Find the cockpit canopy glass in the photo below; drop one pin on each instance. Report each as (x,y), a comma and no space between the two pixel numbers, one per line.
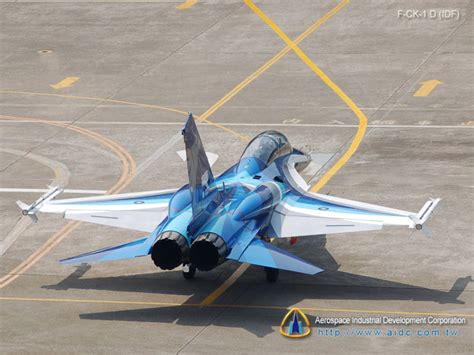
(267,146)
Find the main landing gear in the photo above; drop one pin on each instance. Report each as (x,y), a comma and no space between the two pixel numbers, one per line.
(271,274)
(189,271)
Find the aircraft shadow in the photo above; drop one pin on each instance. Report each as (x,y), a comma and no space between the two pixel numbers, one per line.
(331,284)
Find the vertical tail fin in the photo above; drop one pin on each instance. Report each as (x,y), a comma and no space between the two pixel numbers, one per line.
(199,169)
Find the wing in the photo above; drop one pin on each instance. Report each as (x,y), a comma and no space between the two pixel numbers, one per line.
(315,214)
(302,213)
(136,211)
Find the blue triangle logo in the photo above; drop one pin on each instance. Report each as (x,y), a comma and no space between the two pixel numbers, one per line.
(295,325)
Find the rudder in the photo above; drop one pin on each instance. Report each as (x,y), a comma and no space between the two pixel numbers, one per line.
(199,170)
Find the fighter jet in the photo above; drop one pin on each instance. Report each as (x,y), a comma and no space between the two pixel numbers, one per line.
(233,216)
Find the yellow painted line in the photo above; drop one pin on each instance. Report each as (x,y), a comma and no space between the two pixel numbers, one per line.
(237,306)
(90,98)
(227,283)
(128,172)
(427,87)
(128,103)
(215,107)
(334,87)
(65,83)
(237,273)
(204,116)
(187,4)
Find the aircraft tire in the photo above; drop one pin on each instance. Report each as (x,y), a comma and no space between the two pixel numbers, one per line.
(189,275)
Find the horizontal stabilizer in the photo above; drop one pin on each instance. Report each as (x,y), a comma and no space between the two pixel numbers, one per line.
(264,254)
(139,247)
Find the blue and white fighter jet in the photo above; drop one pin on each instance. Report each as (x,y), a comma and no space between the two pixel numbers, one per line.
(233,216)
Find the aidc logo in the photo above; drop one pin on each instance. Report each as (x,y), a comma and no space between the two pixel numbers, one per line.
(295,324)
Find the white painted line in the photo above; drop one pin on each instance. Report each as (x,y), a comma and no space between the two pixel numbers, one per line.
(158,153)
(66,191)
(20,226)
(239,124)
(276,124)
(61,178)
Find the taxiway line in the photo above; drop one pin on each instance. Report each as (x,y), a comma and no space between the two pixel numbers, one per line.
(334,87)
(187,4)
(255,124)
(61,172)
(238,306)
(65,83)
(129,103)
(61,178)
(242,268)
(128,172)
(225,285)
(66,191)
(204,116)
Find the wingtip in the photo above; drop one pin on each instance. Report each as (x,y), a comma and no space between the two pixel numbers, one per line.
(23,206)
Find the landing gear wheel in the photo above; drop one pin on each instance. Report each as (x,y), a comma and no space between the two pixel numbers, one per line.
(189,271)
(271,274)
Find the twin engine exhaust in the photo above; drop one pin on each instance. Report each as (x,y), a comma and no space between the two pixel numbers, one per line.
(208,251)
(172,249)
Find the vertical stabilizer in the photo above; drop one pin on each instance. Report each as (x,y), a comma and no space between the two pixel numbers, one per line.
(199,169)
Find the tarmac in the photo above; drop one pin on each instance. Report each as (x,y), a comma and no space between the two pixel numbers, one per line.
(93,96)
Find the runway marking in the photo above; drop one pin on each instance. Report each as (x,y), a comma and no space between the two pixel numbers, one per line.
(128,171)
(187,4)
(205,116)
(61,178)
(337,90)
(468,124)
(65,83)
(238,306)
(129,103)
(66,191)
(242,124)
(294,121)
(426,88)
(90,98)
(20,226)
(272,61)
(242,268)
(159,152)
(61,172)
(225,285)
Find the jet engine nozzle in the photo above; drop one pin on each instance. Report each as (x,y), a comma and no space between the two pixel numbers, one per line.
(170,250)
(208,251)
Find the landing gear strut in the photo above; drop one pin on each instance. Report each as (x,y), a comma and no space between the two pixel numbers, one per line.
(189,271)
(271,274)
